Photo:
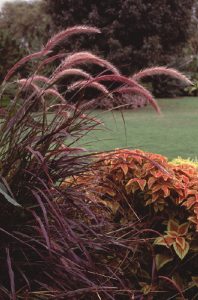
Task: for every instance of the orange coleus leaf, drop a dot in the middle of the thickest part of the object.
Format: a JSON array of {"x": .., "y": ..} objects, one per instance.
[
  {"x": 172, "y": 234},
  {"x": 193, "y": 192},
  {"x": 160, "y": 174},
  {"x": 156, "y": 188},
  {"x": 172, "y": 225},
  {"x": 124, "y": 167},
  {"x": 193, "y": 219},
  {"x": 164, "y": 241},
  {"x": 184, "y": 178},
  {"x": 183, "y": 229},
  {"x": 141, "y": 183},
  {"x": 155, "y": 197},
  {"x": 128, "y": 186},
  {"x": 135, "y": 184},
  {"x": 149, "y": 166},
  {"x": 156, "y": 173},
  {"x": 162, "y": 187},
  {"x": 189, "y": 202},
  {"x": 151, "y": 181},
  {"x": 138, "y": 159},
  {"x": 181, "y": 252},
  {"x": 166, "y": 190}
]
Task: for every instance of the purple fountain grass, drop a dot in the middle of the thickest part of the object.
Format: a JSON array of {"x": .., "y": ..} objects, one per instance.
[
  {"x": 62, "y": 108},
  {"x": 28, "y": 83},
  {"x": 142, "y": 92},
  {"x": 37, "y": 78},
  {"x": 23, "y": 61},
  {"x": 69, "y": 72},
  {"x": 59, "y": 37},
  {"x": 84, "y": 84},
  {"x": 86, "y": 58},
  {"x": 55, "y": 40},
  {"x": 54, "y": 93},
  {"x": 161, "y": 71},
  {"x": 127, "y": 81},
  {"x": 51, "y": 59}
]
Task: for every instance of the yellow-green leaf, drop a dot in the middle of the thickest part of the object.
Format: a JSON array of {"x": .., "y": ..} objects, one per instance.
[
  {"x": 195, "y": 280},
  {"x": 179, "y": 251},
  {"x": 162, "y": 260}
]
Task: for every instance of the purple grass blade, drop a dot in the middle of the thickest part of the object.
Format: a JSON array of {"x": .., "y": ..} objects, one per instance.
[
  {"x": 11, "y": 274},
  {"x": 43, "y": 230}
]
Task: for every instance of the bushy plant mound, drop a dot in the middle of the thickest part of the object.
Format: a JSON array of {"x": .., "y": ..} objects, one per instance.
[
  {"x": 160, "y": 199},
  {"x": 56, "y": 240},
  {"x": 185, "y": 161}
]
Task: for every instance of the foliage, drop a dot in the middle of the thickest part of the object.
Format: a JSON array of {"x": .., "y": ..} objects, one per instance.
[
  {"x": 137, "y": 34},
  {"x": 189, "y": 59},
  {"x": 54, "y": 242},
  {"x": 144, "y": 188},
  {"x": 181, "y": 161},
  {"x": 24, "y": 28}
]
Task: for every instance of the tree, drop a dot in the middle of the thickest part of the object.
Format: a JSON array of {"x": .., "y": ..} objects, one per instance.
[
  {"x": 24, "y": 27},
  {"x": 136, "y": 33}
]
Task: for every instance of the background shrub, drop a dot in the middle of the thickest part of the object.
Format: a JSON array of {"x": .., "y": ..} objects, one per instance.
[
  {"x": 24, "y": 28},
  {"x": 137, "y": 34}
]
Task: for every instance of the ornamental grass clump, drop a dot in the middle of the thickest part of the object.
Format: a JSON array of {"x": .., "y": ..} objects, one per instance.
[{"x": 56, "y": 241}]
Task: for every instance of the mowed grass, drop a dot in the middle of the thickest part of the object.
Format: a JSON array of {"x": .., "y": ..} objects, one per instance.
[{"x": 173, "y": 133}]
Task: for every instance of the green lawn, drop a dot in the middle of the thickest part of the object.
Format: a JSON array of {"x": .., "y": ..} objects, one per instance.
[{"x": 174, "y": 133}]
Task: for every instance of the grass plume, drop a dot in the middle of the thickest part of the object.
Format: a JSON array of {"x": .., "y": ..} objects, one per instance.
[
  {"x": 86, "y": 58},
  {"x": 60, "y": 36},
  {"x": 161, "y": 71}
]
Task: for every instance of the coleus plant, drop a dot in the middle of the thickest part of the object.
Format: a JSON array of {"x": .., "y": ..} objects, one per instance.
[
  {"x": 176, "y": 236},
  {"x": 149, "y": 176},
  {"x": 159, "y": 197}
]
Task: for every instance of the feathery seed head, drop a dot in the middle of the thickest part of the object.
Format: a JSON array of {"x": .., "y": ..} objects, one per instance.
[
  {"x": 59, "y": 37},
  {"x": 161, "y": 71},
  {"x": 86, "y": 58}
]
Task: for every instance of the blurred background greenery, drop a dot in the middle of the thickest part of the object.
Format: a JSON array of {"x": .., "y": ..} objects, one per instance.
[{"x": 135, "y": 34}]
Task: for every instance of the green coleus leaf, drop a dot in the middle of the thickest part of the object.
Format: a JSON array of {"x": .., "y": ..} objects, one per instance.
[
  {"x": 181, "y": 251},
  {"x": 146, "y": 288},
  {"x": 162, "y": 260},
  {"x": 195, "y": 280}
]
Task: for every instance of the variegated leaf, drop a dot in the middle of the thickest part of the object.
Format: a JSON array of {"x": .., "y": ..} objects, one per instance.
[{"x": 179, "y": 251}]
